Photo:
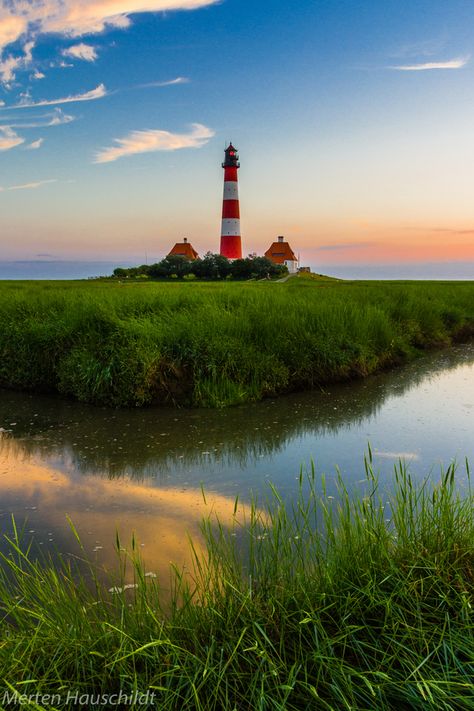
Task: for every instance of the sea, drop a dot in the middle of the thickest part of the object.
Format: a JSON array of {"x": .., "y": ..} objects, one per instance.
[{"x": 42, "y": 269}]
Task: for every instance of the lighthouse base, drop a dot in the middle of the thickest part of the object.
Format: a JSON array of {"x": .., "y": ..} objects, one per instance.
[{"x": 231, "y": 247}]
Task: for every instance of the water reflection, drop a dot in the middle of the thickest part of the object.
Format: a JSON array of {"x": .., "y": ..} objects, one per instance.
[
  {"x": 142, "y": 470},
  {"x": 41, "y": 498},
  {"x": 162, "y": 443}
]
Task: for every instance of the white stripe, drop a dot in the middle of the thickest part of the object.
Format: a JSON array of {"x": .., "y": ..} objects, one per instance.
[
  {"x": 231, "y": 190},
  {"x": 230, "y": 228}
]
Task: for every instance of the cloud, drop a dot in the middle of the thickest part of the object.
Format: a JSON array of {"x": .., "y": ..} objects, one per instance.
[
  {"x": 453, "y": 231},
  {"x": 12, "y": 26},
  {"x": 59, "y": 118},
  {"x": 81, "y": 51},
  {"x": 11, "y": 64},
  {"x": 9, "y": 139},
  {"x": 98, "y": 93},
  {"x": 170, "y": 82},
  {"x": 38, "y": 75},
  {"x": 31, "y": 186},
  {"x": 29, "y": 19},
  {"x": 155, "y": 140},
  {"x": 52, "y": 118},
  {"x": 8, "y": 68},
  {"x": 79, "y": 17},
  {"x": 35, "y": 145},
  {"x": 73, "y": 18},
  {"x": 458, "y": 63}
]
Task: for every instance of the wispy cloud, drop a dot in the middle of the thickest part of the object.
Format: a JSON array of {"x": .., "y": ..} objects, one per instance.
[
  {"x": 458, "y": 63},
  {"x": 52, "y": 118},
  {"x": 9, "y": 125},
  {"x": 98, "y": 93},
  {"x": 59, "y": 118},
  {"x": 9, "y": 139},
  {"x": 81, "y": 51},
  {"x": 29, "y": 186},
  {"x": 155, "y": 140},
  {"x": 453, "y": 231},
  {"x": 169, "y": 82},
  {"x": 35, "y": 145}
]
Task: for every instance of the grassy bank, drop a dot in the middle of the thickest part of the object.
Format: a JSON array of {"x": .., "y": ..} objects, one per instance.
[
  {"x": 216, "y": 344},
  {"x": 373, "y": 612}
]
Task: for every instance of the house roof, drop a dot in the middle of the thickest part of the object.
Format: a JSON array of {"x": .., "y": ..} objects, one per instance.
[
  {"x": 184, "y": 249},
  {"x": 280, "y": 252}
]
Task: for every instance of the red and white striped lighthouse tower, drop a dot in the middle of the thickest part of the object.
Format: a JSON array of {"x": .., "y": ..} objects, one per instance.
[{"x": 231, "y": 243}]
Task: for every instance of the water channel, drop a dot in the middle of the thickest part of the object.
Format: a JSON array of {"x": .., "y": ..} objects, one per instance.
[{"x": 143, "y": 471}]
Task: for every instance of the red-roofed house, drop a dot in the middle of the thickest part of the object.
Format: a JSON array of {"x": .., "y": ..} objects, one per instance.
[
  {"x": 281, "y": 253},
  {"x": 183, "y": 249}
]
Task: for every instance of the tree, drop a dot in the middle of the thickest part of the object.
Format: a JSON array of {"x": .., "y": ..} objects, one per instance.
[
  {"x": 172, "y": 264},
  {"x": 212, "y": 266},
  {"x": 242, "y": 268},
  {"x": 263, "y": 267}
]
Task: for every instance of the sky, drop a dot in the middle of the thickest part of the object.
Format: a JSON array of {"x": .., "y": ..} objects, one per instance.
[{"x": 354, "y": 124}]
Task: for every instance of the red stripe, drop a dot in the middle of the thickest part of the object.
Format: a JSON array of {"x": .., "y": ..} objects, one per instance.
[
  {"x": 230, "y": 209},
  {"x": 230, "y": 174},
  {"x": 231, "y": 247}
]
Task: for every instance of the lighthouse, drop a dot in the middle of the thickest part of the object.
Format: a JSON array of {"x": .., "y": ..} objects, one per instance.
[{"x": 231, "y": 243}]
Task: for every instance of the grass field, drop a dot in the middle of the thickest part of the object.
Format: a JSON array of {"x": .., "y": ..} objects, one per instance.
[
  {"x": 217, "y": 344},
  {"x": 327, "y": 604}
]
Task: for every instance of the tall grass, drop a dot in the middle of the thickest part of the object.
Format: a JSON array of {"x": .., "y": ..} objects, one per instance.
[
  {"x": 216, "y": 344},
  {"x": 328, "y": 603}
]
